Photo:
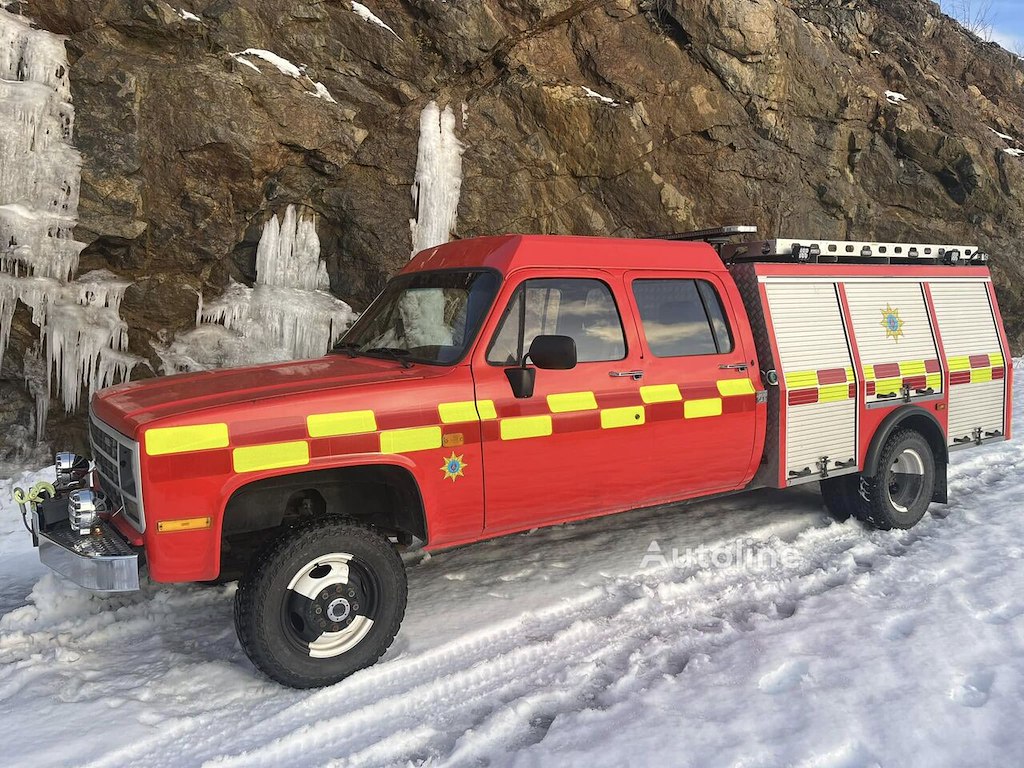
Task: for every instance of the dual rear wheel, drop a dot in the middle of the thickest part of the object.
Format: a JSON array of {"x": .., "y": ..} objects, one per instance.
[{"x": 899, "y": 493}]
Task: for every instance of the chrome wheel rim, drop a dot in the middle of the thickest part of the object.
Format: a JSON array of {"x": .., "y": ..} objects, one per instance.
[
  {"x": 905, "y": 480},
  {"x": 330, "y": 604}
]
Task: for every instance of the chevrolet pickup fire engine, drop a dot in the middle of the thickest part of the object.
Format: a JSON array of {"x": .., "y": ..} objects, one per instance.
[{"x": 505, "y": 383}]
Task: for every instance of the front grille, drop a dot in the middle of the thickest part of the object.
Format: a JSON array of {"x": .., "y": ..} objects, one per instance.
[
  {"x": 116, "y": 459},
  {"x": 102, "y": 440}
]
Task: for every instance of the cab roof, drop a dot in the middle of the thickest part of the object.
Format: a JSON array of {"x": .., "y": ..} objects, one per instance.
[{"x": 508, "y": 253}]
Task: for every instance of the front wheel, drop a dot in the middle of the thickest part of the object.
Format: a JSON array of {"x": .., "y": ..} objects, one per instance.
[
  {"x": 901, "y": 490},
  {"x": 324, "y": 600}
]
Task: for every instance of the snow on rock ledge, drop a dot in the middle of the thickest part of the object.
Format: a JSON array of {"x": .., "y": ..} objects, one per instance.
[
  {"x": 289, "y": 314},
  {"x": 79, "y": 322}
]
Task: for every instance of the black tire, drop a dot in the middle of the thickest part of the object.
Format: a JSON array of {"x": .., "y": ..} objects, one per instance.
[
  {"x": 841, "y": 496},
  {"x": 359, "y": 590},
  {"x": 901, "y": 490}
]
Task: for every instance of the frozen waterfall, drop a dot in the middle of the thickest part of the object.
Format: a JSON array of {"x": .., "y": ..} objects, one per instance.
[
  {"x": 289, "y": 314},
  {"x": 438, "y": 179},
  {"x": 79, "y": 324}
]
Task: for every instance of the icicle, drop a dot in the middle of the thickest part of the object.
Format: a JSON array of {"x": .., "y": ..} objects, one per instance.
[
  {"x": 438, "y": 179},
  {"x": 83, "y": 335},
  {"x": 288, "y": 315}
]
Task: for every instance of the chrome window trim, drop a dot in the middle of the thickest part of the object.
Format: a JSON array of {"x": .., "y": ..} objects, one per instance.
[{"x": 133, "y": 446}]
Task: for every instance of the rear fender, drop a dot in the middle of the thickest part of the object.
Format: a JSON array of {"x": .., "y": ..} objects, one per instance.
[{"x": 923, "y": 422}]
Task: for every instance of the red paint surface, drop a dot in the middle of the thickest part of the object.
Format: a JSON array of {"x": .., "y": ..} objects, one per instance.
[{"x": 581, "y": 470}]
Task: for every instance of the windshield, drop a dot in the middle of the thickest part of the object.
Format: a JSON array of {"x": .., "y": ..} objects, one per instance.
[{"x": 424, "y": 317}]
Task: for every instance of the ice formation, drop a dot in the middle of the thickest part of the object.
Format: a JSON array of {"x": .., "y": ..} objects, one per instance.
[
  {"x": 289, "y": 314},
  {"x": 82, "y": 335},
  {"x": 438, "y": 179}
]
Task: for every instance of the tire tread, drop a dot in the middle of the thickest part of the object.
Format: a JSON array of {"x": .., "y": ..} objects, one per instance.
[{"x": 250, "y": 610}]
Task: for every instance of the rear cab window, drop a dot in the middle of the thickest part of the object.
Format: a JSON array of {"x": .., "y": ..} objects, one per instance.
[{"x": 682, "y": 317}]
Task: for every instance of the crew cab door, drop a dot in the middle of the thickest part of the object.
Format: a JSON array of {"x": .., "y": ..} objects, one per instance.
[
  {"x": 699, "y": 383},
  {"x": 573, "y": 448}
]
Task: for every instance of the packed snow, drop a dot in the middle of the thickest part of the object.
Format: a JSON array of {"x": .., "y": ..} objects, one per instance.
[
  {"x": 80, "y": 328},
  {"x": 595, "y": 95},
  {"x": 1002, "y": 136},
  {"x": 894, "y": 97},
  {"x": 286, "y": 68},
  {"x": 188, "y": 15},
  {"x": 289, "y": 314},
  {"x": 1014, "y": 152},
  {"x": 435, "y": 193},
  {"x": 367, "y": 15},
  {"x": 776, "y": 636}
]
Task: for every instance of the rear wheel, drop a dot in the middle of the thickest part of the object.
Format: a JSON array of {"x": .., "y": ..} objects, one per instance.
[
  {"x": 324, "y": 600},
  {"x": 902, "y": 488}
]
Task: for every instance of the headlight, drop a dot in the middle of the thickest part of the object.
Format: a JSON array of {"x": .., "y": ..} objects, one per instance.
[
  {"x": 72, "y": 470},
  {"x": 84, "y": 508}
]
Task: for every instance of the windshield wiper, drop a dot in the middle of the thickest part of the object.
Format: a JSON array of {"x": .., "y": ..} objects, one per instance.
[
  {"x": 396, "y": 354},
  {"x": 350, "y": 349}
]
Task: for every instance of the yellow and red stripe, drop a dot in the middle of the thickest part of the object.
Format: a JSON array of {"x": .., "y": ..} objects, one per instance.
[{"x": 824, "y": 385}]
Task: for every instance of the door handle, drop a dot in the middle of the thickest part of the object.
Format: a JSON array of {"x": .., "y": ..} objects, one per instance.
[
  {"x": 733, "y": 367},
  {"x": 634, "y": 375}
]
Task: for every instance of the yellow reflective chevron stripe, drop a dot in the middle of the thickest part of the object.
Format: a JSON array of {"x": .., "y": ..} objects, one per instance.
[
  {"x": 341, "y": 423},
  {"x": 466, "y": 410},
  {"x": 831, "y": 393},
  {"x": 254, "y": 458},
  {"x": 933, "y": 380},
  {"x": 630, "y": 416},
  {"x": 699, "y": 409},
  {"x": 960, "y": 363},
  {"x": 520, "y": 427},
  {"x": 996, "y": 359},
  {"x": 980, "y": 375},
  {"x": 569, "y": 402},
  {"x": 888, "y": 386},
  {"x": 801, "y": 380},
  {"x": 912, "y": 368},
  {"x": 196, "y": 437},
  {"x": 734, "y": 387},
  {"x": 410, "y": 440},
  {"x": 661, "y": 393}
]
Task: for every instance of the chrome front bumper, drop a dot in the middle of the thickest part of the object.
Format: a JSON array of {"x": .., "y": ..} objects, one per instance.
[{"x": 101, "y": 560}]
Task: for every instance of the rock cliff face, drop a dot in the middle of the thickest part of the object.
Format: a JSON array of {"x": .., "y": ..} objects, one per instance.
[{"x": 624, "y": 117}]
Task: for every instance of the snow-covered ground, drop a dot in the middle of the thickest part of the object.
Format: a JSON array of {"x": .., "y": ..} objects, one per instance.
[{"x": 827, "y": 645}]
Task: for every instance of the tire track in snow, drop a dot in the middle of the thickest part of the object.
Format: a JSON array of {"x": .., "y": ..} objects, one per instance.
[
  {"x": 483, "y": 692},
  {"x": 504, "y": 686}
]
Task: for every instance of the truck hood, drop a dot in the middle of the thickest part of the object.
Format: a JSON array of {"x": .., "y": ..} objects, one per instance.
[{"x": 126, "y": 407}]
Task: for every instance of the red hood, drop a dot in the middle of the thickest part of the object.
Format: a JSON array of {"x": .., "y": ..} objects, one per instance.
[{"x": 126, "y": 407}]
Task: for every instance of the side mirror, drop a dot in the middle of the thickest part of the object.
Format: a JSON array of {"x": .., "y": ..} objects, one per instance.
[{"x": 556, "y": 353}]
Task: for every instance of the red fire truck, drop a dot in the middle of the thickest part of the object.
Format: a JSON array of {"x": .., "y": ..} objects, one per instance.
[{"x": 505, "y": 383}]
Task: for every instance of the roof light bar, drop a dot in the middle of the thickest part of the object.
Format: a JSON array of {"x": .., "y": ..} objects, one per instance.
[{"x": 831, "y": 251}]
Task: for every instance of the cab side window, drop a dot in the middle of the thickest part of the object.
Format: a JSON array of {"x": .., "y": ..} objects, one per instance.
[
  {"x": 581, "y": 308},
  {"x": 682, "y": 317}
]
